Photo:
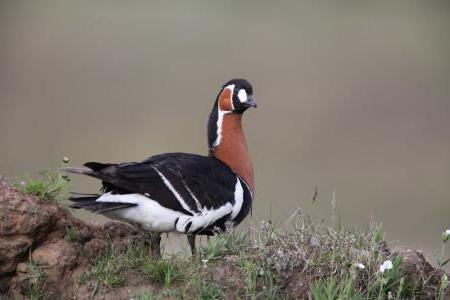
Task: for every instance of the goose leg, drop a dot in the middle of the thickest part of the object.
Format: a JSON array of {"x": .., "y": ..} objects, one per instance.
[
  {"x": 155, "y": 241},
  {"x": 191, "y": 241}
]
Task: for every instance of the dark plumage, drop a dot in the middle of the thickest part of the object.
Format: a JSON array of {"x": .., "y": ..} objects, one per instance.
[{"x": 182, "y": 192}]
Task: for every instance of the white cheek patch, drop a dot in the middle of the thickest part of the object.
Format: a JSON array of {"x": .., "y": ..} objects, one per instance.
[{"x": 242, "y": 95}]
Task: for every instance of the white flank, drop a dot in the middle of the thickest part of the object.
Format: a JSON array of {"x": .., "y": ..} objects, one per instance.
[
  {"x": 238, "y": 199},
  {"x": 174, "y": 192},
  {"x": 242, "y": 95},
  {"x": 148, "y": 213},
  {"x": 207, "y": 218}
]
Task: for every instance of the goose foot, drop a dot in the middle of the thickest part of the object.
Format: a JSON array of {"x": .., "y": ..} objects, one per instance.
[{"x": 191, "y": 241}]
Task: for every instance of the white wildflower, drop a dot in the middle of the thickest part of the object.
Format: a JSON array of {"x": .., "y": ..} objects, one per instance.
[
  {"x": 205, "y": 261},
  {"x": 387, "y": 265},
  {"x": 359, "y": 266},
  {"x": 446, "y": 235}
]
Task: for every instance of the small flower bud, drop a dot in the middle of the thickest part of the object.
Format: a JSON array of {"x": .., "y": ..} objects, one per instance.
[
  {"x": 446, "y": 235},
  {"x": 444, "y": 282}
]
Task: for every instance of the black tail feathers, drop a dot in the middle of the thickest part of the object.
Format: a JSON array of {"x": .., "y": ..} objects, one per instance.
[{"x": 88, "y": 202}]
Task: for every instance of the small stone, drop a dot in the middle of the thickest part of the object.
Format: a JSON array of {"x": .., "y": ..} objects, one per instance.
[
  {"x": 60, "y": 254},
  {"x": 313, "y": 241},
  {"x": 219, "y": 274},
  {"x": 22, "y": 267},
  {"x": 95, "y": 247},
  {"x": 278, "y": 267}
]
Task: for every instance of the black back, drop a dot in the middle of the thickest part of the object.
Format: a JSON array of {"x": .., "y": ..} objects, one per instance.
[{"x": 209, "y": 180}]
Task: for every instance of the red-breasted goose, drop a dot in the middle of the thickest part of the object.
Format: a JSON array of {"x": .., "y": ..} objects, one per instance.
[{"x": 181, "y": 192}]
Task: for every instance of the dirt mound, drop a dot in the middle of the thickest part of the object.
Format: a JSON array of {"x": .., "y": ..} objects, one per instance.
[
  {"x": 39, "y": 236},
  {"x": 45, "y": 253}
]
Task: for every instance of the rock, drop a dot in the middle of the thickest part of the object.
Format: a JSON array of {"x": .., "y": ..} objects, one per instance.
[
  {"x": 12, "y": 249},
  {"x": 22, "y": 268},
  {"x": 95, "y": 247},
  {"x": 23, "y": 214},
  {"x": 58, "y": 255},
  {"x": 416, "y": 269},
  {"x": 219, "y": 274},
  {"x": 28, "y": 224}
]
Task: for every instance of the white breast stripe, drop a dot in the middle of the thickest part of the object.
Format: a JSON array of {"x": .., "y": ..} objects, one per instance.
[
  {"x": 248, "y": 188},
  {"x": 174, "y": 192},
  {"x": 238, "y": 199}
]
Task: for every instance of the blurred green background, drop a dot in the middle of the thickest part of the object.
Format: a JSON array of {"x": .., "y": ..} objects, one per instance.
[{"x": 353, "y": 96}]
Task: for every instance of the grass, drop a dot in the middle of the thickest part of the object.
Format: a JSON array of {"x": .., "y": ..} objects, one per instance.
[
  {"x": 110, "y": 269},
  {"x": 332, "y": 262},
  {"x": 36, "y": 281},
  {"x": 259, "y": 279},
  {"x": 72, "y": 234},
  {"x": 106, "y": 271},
  {"x": 328, "y": 257},
  {"x": 206, "y": 290},
  {"x": 160, "y": 271},
  {"x": 222, "y": 244},
  {"x": 146, "y": 296},
  {"x": 250, "y": 276},
  {"x": 163, "y": 272},
  {"x": 48, "y": 186}
]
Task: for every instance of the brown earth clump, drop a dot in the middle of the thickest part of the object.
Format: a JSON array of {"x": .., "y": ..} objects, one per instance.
[{"x": 33, "y": 230}]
